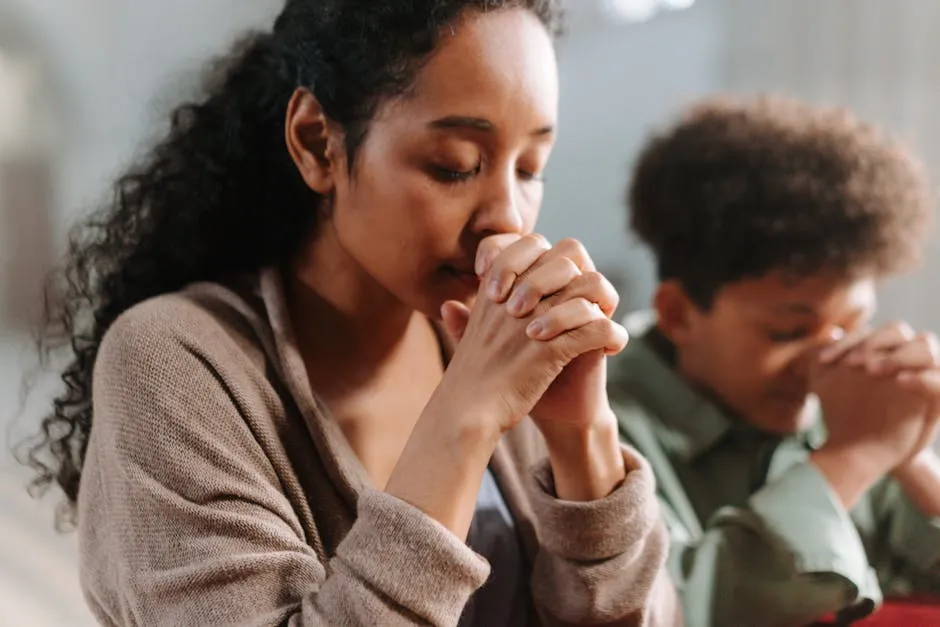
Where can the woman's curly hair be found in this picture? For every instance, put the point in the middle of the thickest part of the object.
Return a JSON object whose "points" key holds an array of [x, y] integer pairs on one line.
{"points": [[741, 187], [219, 195]]}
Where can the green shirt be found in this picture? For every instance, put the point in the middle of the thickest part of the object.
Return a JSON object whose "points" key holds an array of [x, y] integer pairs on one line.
{"points": [[758, 536]]}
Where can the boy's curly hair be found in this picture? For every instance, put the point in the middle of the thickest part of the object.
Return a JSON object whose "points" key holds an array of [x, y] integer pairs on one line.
{"points": [[739, 188]]}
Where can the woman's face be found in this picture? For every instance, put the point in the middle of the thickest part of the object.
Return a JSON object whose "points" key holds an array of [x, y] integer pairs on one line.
{"points": [[458, 158]]}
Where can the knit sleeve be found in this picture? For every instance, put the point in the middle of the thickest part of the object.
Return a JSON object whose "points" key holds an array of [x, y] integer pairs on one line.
{"points": [[182, 519], [602, 562]]}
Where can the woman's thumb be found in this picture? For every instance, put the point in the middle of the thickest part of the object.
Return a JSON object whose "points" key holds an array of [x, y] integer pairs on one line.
{"points": [[455, 316]]}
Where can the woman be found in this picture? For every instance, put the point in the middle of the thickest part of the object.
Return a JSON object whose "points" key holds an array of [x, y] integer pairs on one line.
{"points": [[274, 438]]}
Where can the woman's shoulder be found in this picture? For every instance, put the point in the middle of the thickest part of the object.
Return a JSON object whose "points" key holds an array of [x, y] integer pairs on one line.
{"points": [[220, 325], [191, 365]]}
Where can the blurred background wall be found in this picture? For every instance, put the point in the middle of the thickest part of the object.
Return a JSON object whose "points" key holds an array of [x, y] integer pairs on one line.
{"points": [[83, 83]]}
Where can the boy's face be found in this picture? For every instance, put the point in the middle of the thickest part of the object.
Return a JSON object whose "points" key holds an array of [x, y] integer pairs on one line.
{"points": [[750, 351]]}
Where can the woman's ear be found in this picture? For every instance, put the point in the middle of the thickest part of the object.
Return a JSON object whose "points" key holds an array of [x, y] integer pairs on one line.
{"points": [[314, 143]]}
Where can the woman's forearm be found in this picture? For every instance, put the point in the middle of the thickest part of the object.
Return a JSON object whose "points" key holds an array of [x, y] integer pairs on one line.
{"points": [[442, 466]]}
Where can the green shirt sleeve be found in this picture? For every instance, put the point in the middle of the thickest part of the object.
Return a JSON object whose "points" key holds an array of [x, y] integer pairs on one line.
{"points": [[914, 537], [793, 554], [904, 542], [800, 509]]}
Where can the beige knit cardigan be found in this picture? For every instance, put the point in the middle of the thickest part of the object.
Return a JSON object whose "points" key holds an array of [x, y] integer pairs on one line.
{"points": [[217, 491]]}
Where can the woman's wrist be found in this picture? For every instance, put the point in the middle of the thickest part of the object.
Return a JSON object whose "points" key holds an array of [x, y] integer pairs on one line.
{"points": [[442, 466], [586, 458]]}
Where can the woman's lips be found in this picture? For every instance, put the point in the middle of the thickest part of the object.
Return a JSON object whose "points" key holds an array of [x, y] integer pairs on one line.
{"points": [[468, 278]]}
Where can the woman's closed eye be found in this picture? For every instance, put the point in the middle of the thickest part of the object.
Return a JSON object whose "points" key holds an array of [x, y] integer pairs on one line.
{"points": [[457, 174], [454, 175], [530, 177]]}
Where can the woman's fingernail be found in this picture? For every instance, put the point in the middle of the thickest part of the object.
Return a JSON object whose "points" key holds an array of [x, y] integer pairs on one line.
{"points": [[482, 264], [516, 303], [536, 329], [494, 289], [907, 377]]}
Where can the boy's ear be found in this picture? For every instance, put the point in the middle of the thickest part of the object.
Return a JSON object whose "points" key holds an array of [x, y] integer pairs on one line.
{"points": [[674, 311]]}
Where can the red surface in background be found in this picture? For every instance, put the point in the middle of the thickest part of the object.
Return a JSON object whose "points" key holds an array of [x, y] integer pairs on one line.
{"points": [[902, 613]]}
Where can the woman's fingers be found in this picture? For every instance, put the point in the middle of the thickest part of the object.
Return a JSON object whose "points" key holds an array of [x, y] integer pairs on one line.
{"points": [[547, 279], [510, 264], [578, 326]]}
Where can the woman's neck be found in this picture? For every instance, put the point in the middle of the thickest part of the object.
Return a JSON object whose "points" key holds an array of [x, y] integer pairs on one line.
{"points": [[348, 327], [374, 361]]}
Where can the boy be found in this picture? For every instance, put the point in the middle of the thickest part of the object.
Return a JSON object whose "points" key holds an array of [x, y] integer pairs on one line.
{"points": [[771, 223]]}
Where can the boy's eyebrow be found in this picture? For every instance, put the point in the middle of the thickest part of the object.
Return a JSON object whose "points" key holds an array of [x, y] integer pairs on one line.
{"points": [[807, 310], [800, 308]]}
